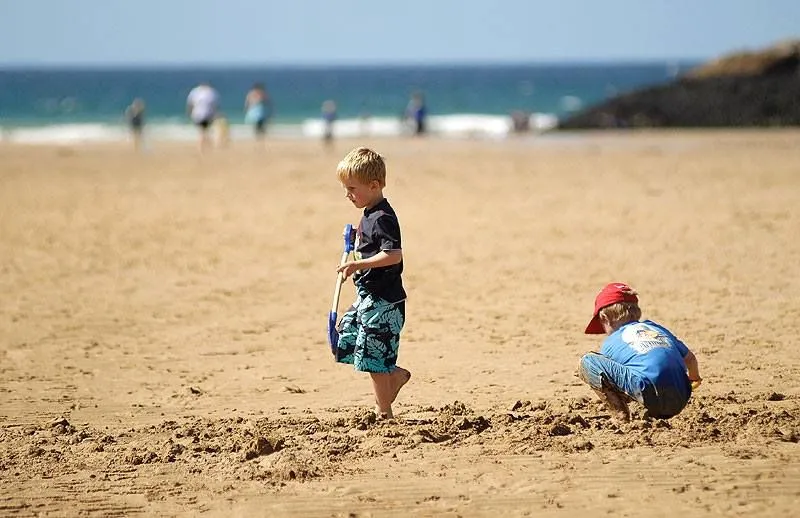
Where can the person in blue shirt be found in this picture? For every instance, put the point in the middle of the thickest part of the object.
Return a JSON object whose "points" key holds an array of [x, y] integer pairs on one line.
{"points": [[638, 361], [258, 109], [416, 112], [328, 118]]}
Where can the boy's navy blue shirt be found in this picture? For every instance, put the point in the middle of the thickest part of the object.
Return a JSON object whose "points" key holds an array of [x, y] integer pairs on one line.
{"points": [[379, 230]]}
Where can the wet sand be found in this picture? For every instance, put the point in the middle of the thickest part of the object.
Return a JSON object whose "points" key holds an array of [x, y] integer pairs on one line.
{"points": [[163, 345]]}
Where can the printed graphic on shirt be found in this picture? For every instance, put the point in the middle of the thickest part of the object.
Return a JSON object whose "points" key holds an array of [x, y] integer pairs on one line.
{"points": [[643, 338]]}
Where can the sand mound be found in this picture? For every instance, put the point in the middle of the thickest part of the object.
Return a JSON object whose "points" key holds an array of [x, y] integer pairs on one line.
{"points": [[276, 450]]}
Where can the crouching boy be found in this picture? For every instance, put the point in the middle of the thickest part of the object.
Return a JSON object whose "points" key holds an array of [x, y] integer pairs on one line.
{"points": [[638, 361]]}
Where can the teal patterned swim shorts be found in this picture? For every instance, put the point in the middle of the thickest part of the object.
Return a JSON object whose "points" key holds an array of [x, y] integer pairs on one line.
{"points": [[369, 333]]}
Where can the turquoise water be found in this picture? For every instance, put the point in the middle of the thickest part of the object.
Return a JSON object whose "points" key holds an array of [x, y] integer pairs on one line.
{"points": [[92, 101]]}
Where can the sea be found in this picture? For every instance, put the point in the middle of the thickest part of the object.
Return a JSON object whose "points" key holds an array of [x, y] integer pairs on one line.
{"points": [[78, 105]]}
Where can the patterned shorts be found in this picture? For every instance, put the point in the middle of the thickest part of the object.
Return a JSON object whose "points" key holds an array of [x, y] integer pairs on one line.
{"points": [[369, 333]]}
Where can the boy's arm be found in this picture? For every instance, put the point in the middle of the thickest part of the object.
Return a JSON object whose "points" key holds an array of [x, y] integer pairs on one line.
{"points": [[379, 260], [691, 367]]}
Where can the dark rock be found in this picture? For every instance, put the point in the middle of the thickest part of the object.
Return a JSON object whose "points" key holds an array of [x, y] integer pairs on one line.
{"points": [[741, 90], [263, 446], [560, 429], [578, 420]]}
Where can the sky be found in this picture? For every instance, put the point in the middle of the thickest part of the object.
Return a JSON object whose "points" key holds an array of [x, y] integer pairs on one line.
{"points": [[365, 32]]}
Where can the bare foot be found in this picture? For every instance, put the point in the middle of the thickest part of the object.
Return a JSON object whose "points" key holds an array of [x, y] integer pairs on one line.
{"points": [[616, 403], [381, 415], [387, 385], [402, 377], [618, 406]]}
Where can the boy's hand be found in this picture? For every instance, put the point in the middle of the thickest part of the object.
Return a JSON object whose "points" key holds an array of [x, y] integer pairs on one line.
{"points": [[696, 383], [348, 269]]}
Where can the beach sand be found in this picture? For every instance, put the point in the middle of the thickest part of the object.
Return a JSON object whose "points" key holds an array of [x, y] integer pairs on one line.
{"points": [[163, 329]]}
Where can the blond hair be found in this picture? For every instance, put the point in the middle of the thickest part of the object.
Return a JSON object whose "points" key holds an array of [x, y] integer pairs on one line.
{"points": [[363, 164], [621, 313]]}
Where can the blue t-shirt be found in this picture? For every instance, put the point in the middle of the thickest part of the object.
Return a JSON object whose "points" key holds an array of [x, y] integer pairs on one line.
{"points": [[651, 351]]}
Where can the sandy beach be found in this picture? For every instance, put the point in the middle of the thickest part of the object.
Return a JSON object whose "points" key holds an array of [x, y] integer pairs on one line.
{"points": [[163, 344]]}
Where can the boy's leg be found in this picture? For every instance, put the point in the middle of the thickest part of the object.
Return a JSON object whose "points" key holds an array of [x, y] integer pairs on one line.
{"points": [[614, 384], [616, 401], [386, 386], [402, 376], [376, 349]]}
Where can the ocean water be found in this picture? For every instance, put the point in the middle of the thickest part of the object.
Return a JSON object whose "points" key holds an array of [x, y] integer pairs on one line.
{"points": [[87, 105]]}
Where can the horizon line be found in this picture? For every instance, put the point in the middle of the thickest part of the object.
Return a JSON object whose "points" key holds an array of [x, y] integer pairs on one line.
{"points": [[199, 65]]}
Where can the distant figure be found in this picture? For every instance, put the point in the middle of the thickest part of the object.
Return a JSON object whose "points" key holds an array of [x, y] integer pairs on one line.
{"points": [[364, 120], [328, 117], [258, 109], [520, 121], [134, 114], [201, 105], [416, 112], [222, 131]]}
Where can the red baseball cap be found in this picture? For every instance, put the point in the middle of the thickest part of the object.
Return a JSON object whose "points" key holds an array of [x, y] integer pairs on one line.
{"points": [[611, 294]]}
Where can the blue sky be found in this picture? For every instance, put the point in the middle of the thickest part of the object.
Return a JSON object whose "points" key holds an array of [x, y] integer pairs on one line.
{"points": [[308, 32]]}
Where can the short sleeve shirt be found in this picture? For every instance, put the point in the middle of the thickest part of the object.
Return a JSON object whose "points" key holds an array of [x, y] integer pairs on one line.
{"points": [[203, 100], [650, 350], [379, 231]]}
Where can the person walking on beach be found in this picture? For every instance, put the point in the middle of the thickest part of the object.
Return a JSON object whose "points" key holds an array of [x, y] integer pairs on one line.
{"points": [[638, 361], [416, 112], [134, 114], [328, 118], [258, 109], [201, 105], [369, 331]]}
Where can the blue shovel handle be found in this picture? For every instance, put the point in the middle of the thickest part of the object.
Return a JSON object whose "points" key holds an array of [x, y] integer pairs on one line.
{"points": [[333, 333], [349, 244], [349, 238]]}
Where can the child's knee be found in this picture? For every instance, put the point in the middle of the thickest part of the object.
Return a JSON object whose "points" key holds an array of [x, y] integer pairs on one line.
{"points": [[581, 369]]}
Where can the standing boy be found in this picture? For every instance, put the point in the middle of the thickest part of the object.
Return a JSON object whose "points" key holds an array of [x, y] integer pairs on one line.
{"points": [[369, 331], [638, 361]]}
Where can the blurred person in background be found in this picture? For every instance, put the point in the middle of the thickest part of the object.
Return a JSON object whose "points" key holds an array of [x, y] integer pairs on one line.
{"points": [[328, 117], [134, 114], [416, 113], [201, 106], [258, 109]]}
